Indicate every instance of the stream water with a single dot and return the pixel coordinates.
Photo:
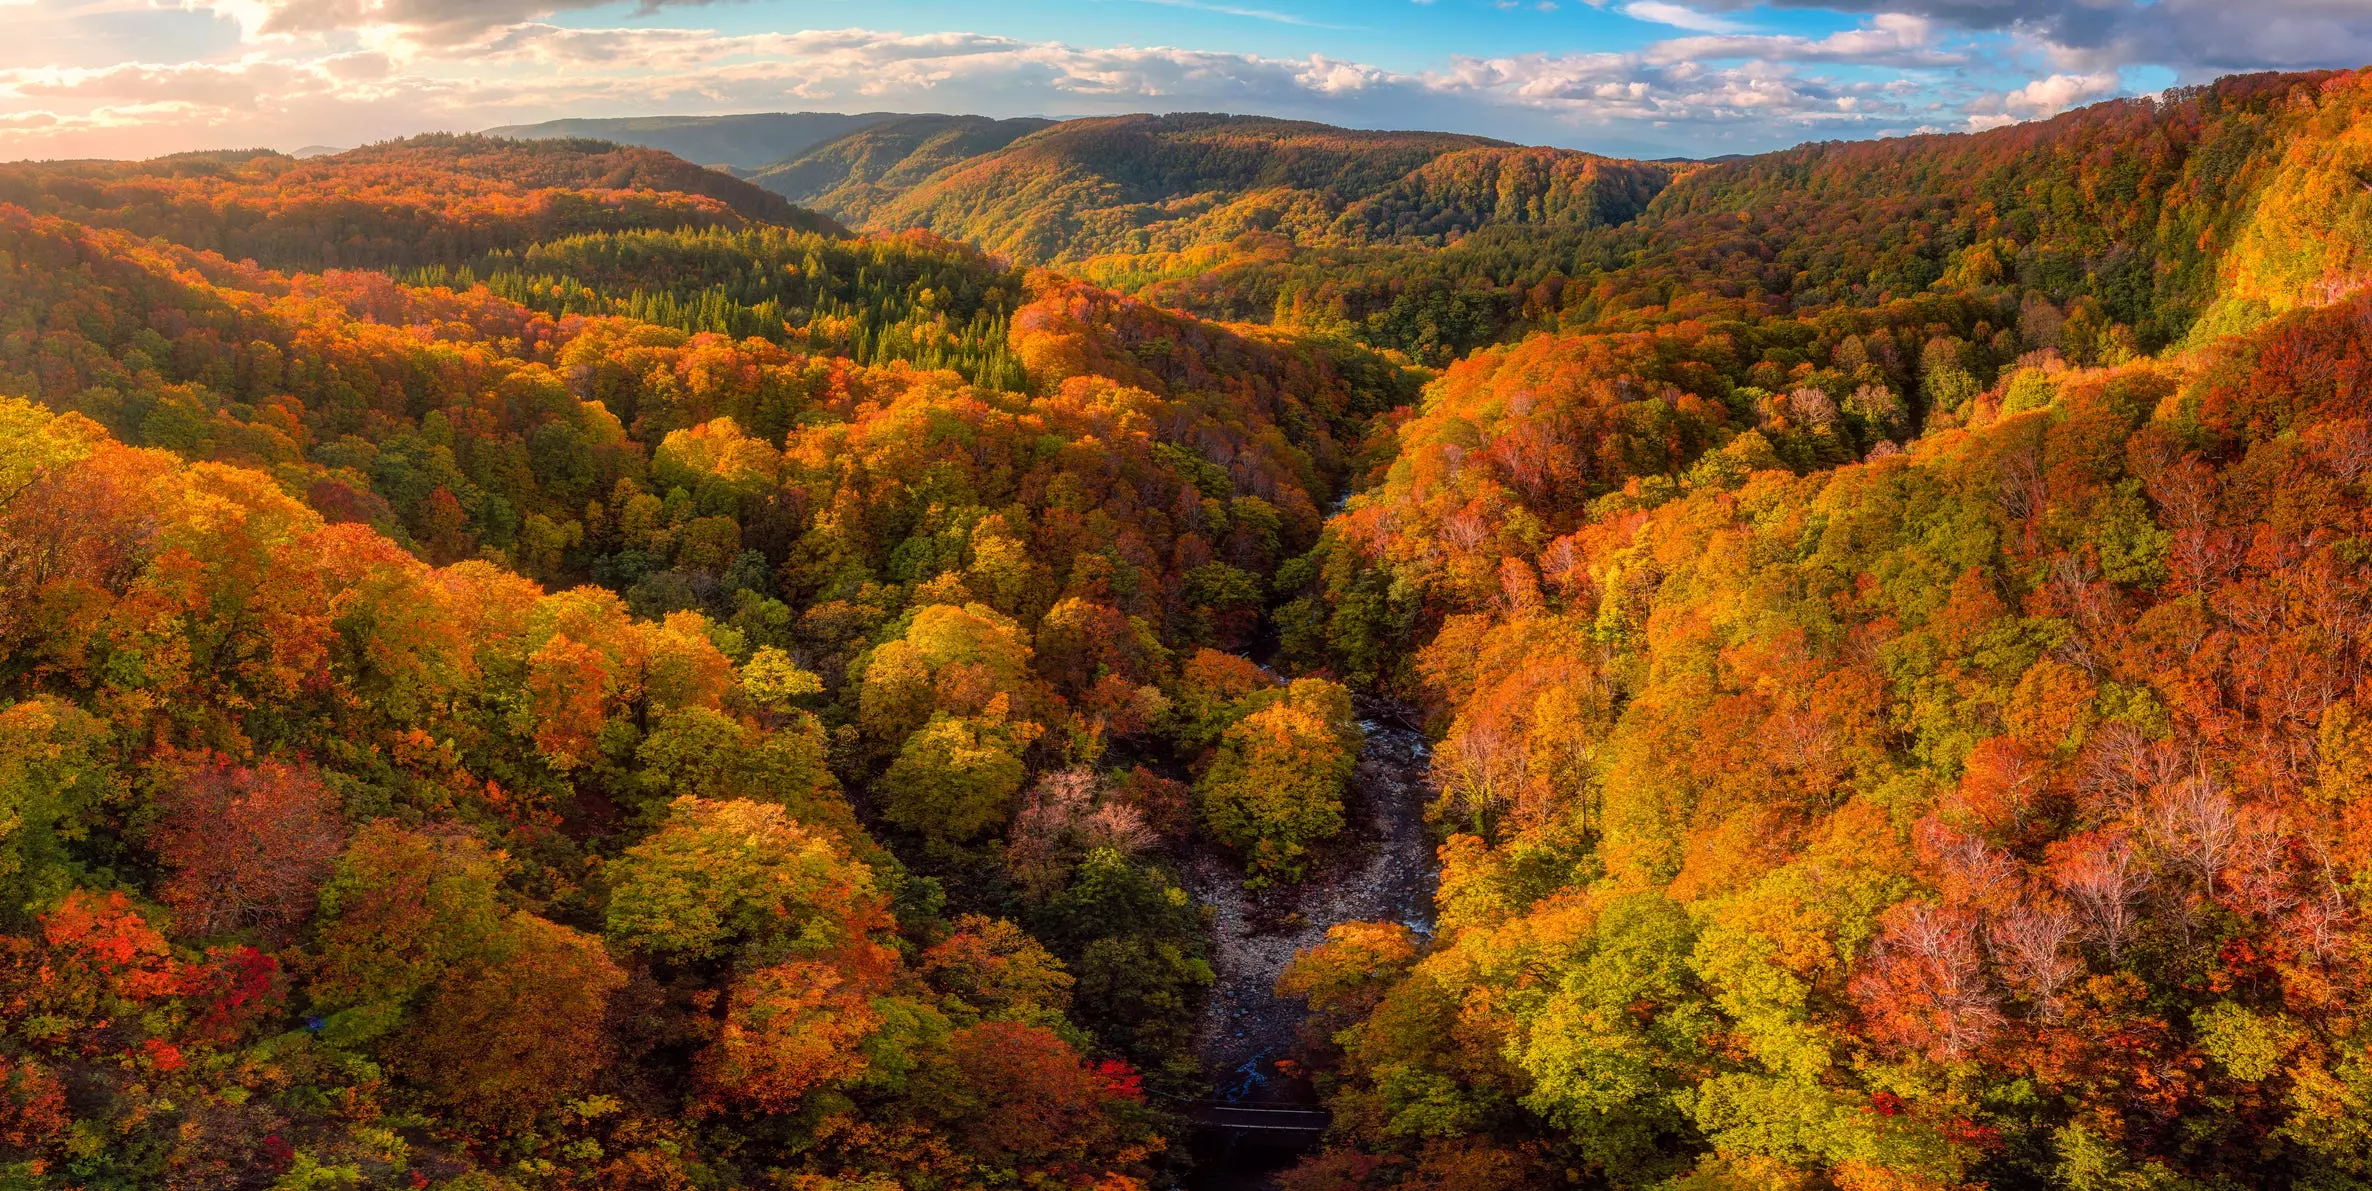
(1384, 870)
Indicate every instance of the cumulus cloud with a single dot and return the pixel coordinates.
(1600, 89)
(141, 109)
(2195, 38)
(2042, 98)
(433, 23)
(1679, 17)
(845, 63)
(533, 70)
(196, 86)
(1890, 39)
(343, 71)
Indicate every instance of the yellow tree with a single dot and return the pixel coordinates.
(1276, 784)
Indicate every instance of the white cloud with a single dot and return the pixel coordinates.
(433, 23)
(1230, 10)
(1598, 89)
(377, 68)
(194, 86)
(1658, 12)
(2198, 39)
(1890, 39)
(2040, 99)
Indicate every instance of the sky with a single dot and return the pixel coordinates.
(1649, 78)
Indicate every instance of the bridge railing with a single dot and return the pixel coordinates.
(1258, 1118)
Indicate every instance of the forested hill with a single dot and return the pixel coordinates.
(699, 703)
(2155, 208)
(426, 200)
(1134, 184)
(534, 666)
(1986, 813)
(745, 142)
(851, 175)
(2217, 203)
(1900, 726)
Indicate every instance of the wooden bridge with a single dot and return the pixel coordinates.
(1287, 1123)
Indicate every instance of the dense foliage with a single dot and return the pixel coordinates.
(1135, 184)
(650, 691)
(1973, 810)
(2204, 207)
(814, 825)
(1980, 814)
(429, 200)
(915, 298)
(851, 175)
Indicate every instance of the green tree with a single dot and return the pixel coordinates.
(55, 773)
(1134, 941)
(739, 878)
(1276, 785)
(955, 779)
(403, 908)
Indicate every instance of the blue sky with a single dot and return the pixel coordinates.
(1401, 36)
(1638, 77)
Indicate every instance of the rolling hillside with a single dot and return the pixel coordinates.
(2246, 191)
(532, 665)
(427, 200)
(2206, 207)
(744, 143)
(1133, 184)
(852, 175)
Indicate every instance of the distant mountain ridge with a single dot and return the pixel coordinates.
(744, 142)
(433, 199)
(1065, 191)
(1044, 191)
(856, 173)
(1254, 218)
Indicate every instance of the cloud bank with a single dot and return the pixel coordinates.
(345, 71)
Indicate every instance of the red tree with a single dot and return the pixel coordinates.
(249, 848)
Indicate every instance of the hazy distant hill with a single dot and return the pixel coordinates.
(1152, 183)
(745, 142)
(852, 174)
(1043, 190)
(431, 199)
(2139, 222)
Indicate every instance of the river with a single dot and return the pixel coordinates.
(1385, 870)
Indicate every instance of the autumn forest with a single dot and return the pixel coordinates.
(535, 665)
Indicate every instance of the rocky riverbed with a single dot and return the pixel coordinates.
(1384, 870)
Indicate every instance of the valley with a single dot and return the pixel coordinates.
(955, 653)
(1387, 874)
